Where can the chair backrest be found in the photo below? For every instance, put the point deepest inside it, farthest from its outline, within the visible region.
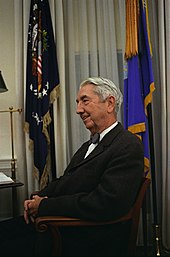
(136, 215)
(54, 222)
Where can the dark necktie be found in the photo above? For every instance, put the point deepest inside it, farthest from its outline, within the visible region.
(94, 138)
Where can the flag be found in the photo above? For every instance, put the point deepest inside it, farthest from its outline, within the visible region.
(42, 86)
(138, 74)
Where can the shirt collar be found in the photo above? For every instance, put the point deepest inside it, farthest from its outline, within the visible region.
(104, 132)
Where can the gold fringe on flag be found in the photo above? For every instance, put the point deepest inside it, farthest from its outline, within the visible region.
(148, 98)
(137, 128)
(54, 94)
(46, 122)
(132, 14)
(147, 168)
(145, 5)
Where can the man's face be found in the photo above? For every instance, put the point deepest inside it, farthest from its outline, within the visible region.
(94, 112)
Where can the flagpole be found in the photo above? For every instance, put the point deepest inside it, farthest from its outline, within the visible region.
(156, 228)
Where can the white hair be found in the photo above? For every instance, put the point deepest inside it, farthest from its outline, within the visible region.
(104, 88)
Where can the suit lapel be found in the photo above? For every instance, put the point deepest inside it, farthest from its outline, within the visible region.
(78, 159)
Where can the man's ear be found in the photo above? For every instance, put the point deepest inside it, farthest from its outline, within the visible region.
(111, 103)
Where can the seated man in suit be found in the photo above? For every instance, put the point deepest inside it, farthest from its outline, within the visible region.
(100, 183)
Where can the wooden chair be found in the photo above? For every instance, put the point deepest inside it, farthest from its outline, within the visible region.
(53, 223)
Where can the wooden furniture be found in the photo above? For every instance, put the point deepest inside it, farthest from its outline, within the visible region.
(53, 223)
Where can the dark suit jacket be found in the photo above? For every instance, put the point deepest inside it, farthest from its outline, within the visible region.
(101, 187)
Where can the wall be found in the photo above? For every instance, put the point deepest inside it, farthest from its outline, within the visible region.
(7, 60)
(7, 99)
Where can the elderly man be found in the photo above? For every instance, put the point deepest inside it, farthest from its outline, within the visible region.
(100, 183)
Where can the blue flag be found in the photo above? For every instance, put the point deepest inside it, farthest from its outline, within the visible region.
(42, 86)
(138, 77)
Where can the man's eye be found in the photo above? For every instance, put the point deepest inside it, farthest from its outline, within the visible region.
(85, 101)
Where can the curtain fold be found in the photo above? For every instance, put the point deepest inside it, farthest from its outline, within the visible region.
(91, 50)
(160, 33)
(164, 52)
(60, 105)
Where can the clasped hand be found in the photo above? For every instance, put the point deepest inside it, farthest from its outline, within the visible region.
(31, 208)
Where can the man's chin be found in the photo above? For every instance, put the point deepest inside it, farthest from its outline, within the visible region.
(88, 126)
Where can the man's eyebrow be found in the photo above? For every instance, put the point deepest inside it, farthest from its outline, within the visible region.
(82, 98)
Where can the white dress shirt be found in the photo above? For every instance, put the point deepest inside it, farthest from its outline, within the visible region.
(104, 132)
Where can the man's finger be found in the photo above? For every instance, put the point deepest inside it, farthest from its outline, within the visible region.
(26, 218)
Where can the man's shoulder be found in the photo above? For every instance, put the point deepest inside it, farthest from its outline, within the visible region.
(125, 136)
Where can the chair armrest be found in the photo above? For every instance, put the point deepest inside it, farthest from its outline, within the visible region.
(42, 223)
(52, 223)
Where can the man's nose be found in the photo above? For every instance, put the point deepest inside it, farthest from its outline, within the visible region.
(79, 108)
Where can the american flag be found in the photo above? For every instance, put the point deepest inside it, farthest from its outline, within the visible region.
(42, 86)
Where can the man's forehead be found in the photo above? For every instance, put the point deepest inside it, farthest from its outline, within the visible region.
(86, 91)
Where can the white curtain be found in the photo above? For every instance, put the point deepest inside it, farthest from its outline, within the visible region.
(164, 53)
(160, 32)
(91, 50)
